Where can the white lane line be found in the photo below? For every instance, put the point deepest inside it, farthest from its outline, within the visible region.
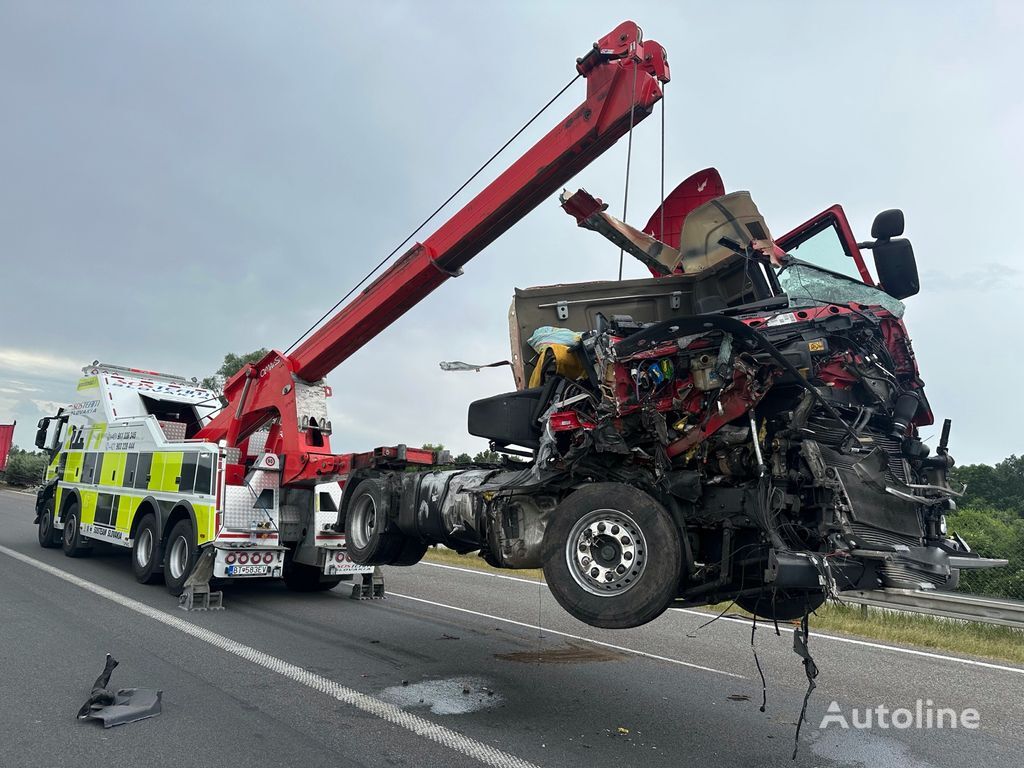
(746, 622)
(623, 649)
(477, 571)
(420, 726)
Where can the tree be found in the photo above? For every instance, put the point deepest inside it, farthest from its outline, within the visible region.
(24, 468)
(992, 533)
(1000, 487)
(463, 458)
(232, 364)
(487, 457)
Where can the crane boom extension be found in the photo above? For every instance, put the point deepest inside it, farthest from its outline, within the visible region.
(572, 145)
(624, 74)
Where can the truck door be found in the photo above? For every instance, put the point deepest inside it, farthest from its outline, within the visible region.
(827, 241)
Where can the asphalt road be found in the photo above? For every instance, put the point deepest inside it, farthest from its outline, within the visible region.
(310, 680)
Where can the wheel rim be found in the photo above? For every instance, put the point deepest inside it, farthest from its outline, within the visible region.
(363, 515)
(45, 524)
(70, 528)
(606, 552)
(178, 560)
(144, 548)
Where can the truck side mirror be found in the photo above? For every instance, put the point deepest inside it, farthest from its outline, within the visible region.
(44, 425)
(896, 268)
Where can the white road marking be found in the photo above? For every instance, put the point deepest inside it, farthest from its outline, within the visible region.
(420, 726)
(539, 628)
(746, 622)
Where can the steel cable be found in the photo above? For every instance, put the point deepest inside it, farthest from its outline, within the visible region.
(430, 218)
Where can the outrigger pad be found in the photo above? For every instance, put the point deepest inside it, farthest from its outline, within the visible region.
(118, 707)
(197, 595)
(370, 586)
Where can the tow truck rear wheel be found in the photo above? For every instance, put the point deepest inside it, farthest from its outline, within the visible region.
(146, 551)
(49, 537)
(179, 556)
(72, 541)
(612, 556)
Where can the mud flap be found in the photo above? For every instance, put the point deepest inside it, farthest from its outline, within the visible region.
(197, 595)
(370, 585)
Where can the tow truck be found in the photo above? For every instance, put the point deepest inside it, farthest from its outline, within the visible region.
(741, 425)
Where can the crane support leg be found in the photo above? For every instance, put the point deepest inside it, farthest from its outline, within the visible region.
(197, 595)
(370, 586)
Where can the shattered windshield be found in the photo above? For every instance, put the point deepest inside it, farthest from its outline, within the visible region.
(805, 283)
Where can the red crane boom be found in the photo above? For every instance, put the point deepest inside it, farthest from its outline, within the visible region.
(624, 74)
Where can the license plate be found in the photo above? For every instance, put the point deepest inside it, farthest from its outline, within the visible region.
(248, 570)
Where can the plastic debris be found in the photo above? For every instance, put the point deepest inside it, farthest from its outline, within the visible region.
(118, 707)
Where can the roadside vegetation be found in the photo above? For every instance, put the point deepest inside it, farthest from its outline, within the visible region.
(24, 468)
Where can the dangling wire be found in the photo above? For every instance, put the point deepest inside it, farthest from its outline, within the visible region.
(661, 236)
(441, 207)
(629, 156)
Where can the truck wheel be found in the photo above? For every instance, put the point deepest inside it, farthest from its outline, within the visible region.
(179, 556)
(146, 551)
(612, 556)
(781, 605)
(366, 536)
(299, 577)
(49, 537)
(72, 541)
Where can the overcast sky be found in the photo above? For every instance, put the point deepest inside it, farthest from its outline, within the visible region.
(181, 180)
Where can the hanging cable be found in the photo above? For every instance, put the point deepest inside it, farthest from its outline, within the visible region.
(661, 236)
(629, 156)
(441, 207)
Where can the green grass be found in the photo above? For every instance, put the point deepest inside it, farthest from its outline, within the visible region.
(975, 639)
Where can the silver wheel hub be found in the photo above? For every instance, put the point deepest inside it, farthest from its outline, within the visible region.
(364, 521)
(606, 552)
(178, 559)
(144, 548)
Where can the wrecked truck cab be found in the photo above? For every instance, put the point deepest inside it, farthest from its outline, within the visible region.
(743, 426)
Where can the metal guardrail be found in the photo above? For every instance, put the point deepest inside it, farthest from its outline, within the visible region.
(951, 605)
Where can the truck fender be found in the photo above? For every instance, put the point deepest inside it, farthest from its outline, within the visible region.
(44, 494)
(170, 512)
(66, 497)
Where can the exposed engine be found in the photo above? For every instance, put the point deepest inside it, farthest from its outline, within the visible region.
(749, 432)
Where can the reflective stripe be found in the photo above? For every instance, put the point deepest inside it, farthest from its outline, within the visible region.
(87, 514)
(73, 469)
(204, 520)
(112, 471)
(126, 508)
(165, 473)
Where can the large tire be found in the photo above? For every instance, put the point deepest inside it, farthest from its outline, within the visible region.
(612, 556)
(367, 537)
(49, 537)
(180, 552)
(299, 577)
(146, 551)
(781, 605)
(72, 541)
